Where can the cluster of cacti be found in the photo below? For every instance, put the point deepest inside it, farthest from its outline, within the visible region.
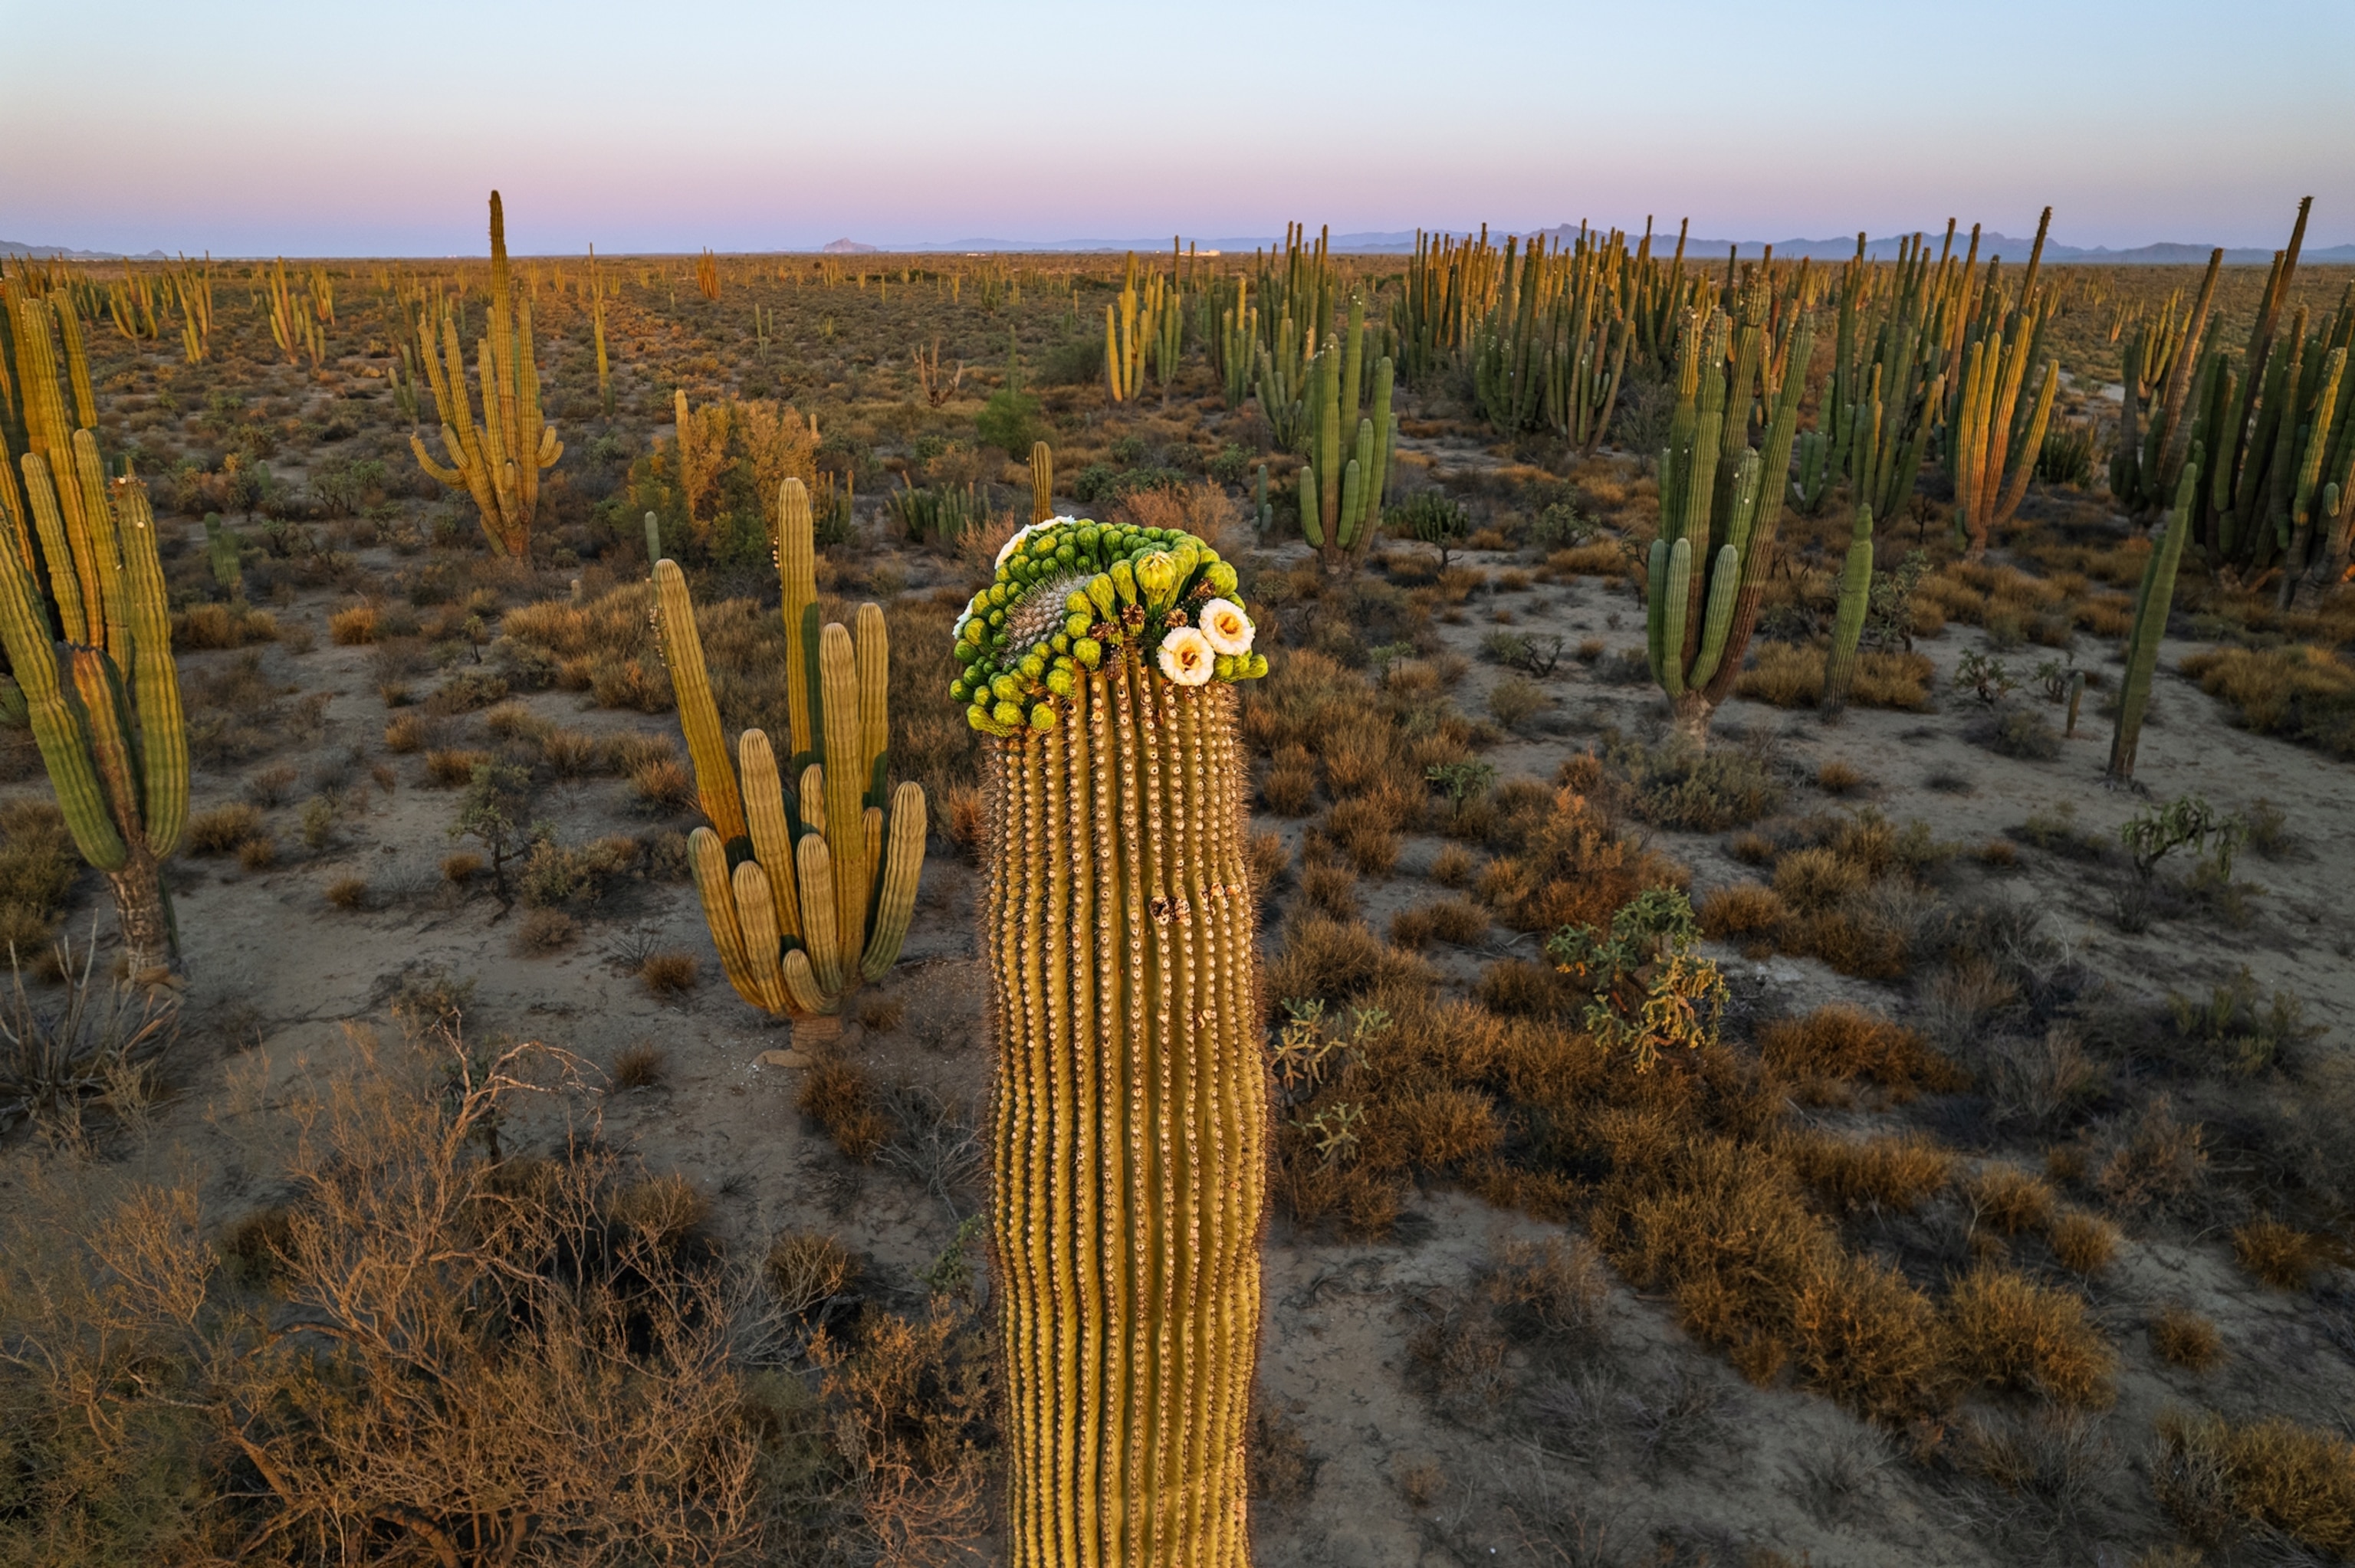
(1234, 339)
(1042, 481)
(1893, 336)
(1992, 443)
(1129, 1144)
(2155, 423)
(1069, 596)
(1720, 511)
(1347, 445)
(295, 320)
(1551, 349)
(91, 647)
(1848, 620)
(707, 275)
(498, 462)
(1147, 323)
(808, 894)
(2153, 601)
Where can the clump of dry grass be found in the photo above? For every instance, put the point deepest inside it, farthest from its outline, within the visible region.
(2306, 694)
(1838, 777)
(1741, 909)
(1454, 866)
(1785, 676)
(2183, 1338)
(2281, 1255)
(640, 1065)
(663, 786)
(353, 627)
(669, 974)
(2083, 1244)
(1288, 787)
(2010, 1333)
(2217, 1477)
(840, 1096)
(258, 853)
(1330, 890)
(2011, 1200)
(223, 829)
(348, 893)
(452, 768)
(1824, 1053)
(1896, 1173)
(544, 931)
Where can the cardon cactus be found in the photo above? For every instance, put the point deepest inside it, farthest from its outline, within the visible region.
(1042, 481)
(1848, 624)
(2153, 600)
(1130, 1143)
(99, 687)
(1341, 486)
(808, 896)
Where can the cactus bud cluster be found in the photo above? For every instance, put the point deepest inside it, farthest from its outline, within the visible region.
(1069, 592)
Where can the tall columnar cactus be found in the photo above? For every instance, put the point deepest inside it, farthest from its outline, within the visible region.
(1996, 453)
(1042, 481)
(2153, 600)
(1847, 624)
(498, 462)
(808, 894)
(1718, 518)
(1131, 1141)
(99, 687)
(1341, 486)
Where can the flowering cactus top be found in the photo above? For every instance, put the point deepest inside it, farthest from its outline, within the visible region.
(1068, 592)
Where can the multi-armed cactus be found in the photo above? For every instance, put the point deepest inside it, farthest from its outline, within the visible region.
(808, 894)
(498, 462)
(99, 687)
(1131, 1141)
(1848, 622)
(1719, 517)
(2153, 601)
(1341, 486)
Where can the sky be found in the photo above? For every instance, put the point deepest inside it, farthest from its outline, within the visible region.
(253, 127)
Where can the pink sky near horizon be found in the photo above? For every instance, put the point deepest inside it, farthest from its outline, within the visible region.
(282, 129)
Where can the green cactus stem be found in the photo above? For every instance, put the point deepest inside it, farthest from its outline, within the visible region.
(1130, 1145)
(2153, 600)
(1848, 624)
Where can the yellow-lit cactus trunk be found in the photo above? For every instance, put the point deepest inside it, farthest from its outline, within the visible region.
(1130, 1125)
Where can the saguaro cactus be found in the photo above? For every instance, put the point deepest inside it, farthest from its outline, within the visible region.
(1847, 624)
(1130, 1145)
(2152, 602)
(808, 894)
(1042, 481)
(1341, 487)
(498, 462)
(99, 687)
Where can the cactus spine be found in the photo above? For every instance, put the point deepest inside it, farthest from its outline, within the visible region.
(1131, 1138)
(1042, 481)
(1847, 625)
(498, 462)
(807, 893)
(104, 699)
(2152, 603)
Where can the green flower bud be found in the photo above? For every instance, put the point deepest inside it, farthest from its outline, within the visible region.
(1077, 625)
(978, 717)
(1221, 578)
(1104, 594)
(1258, 665)
(1008, 714)
(956, 691)
(997, 618)
(1124, 581)
(1088, 651)
(1042, 717)
(1059, 681)
(1223, 667)
(1032, 666)
(1157, 578)
(1005, 688)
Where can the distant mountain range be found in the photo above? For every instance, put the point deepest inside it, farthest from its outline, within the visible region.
(54, 252)
(1402, 242)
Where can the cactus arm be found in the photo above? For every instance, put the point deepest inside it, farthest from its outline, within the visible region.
(699, 714)
(154, 678)
(820, 927)
(904, 865)
(64, 584)
(1677, 588)
(56, 723)
(1655, 604)
(1724, 586)
(797, 585)
(1042, 481)
(844, 786)
(764, 818)
(802, 989)
(874, 651)
(2152, 606)
(756, 912)
(1353, 495)
(707, 856)
(1847, 625)
(97, 551)
(1312, 526)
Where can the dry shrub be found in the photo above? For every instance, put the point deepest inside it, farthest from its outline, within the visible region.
(258, 853)
(221, 830)
(1457, 920)
(1354, 1200)
(909, 1409)
(1751, 848)
(2281, 1255)
(1520, 988)
(353, 627)
(2183, 1338)
(1334, 959)
(1289, 790)
(839, 1095)
(639, 1067)
(1740, 910)
(348, 893)
(1821, 1051)
(1413, 926)
(1784, 676)
(2305, 693)
(1355, 760)
(964, 818)
(1365, 828)
(1282, 1468)
(663, 786)
(38, 863)
(1443, 1127)
(1812, 880)
(2013, 1334)
(450, 770)
(2011, 1200)
(2215, 1477)
(665, 1211)
(1897, 1174)
(570, 753)
(1454, 866)
(808, 1270)
(1890, 679)
(2084, 1244)
(668, 974)
(408, 732)
(459, 869)
(1268, 857)
(1838, 777)
(1330, 890)
(545, 931)
(1572, 868)
(2151, 1161)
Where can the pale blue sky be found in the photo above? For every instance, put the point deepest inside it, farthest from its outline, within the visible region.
(253, 126)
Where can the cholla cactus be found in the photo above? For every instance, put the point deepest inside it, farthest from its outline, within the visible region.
(1131, 1138)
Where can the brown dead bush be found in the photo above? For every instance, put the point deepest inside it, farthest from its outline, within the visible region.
(840, 1096)
(1740, 910)
(2013, 1334)
(1821, 1053)
(2183, 1338)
